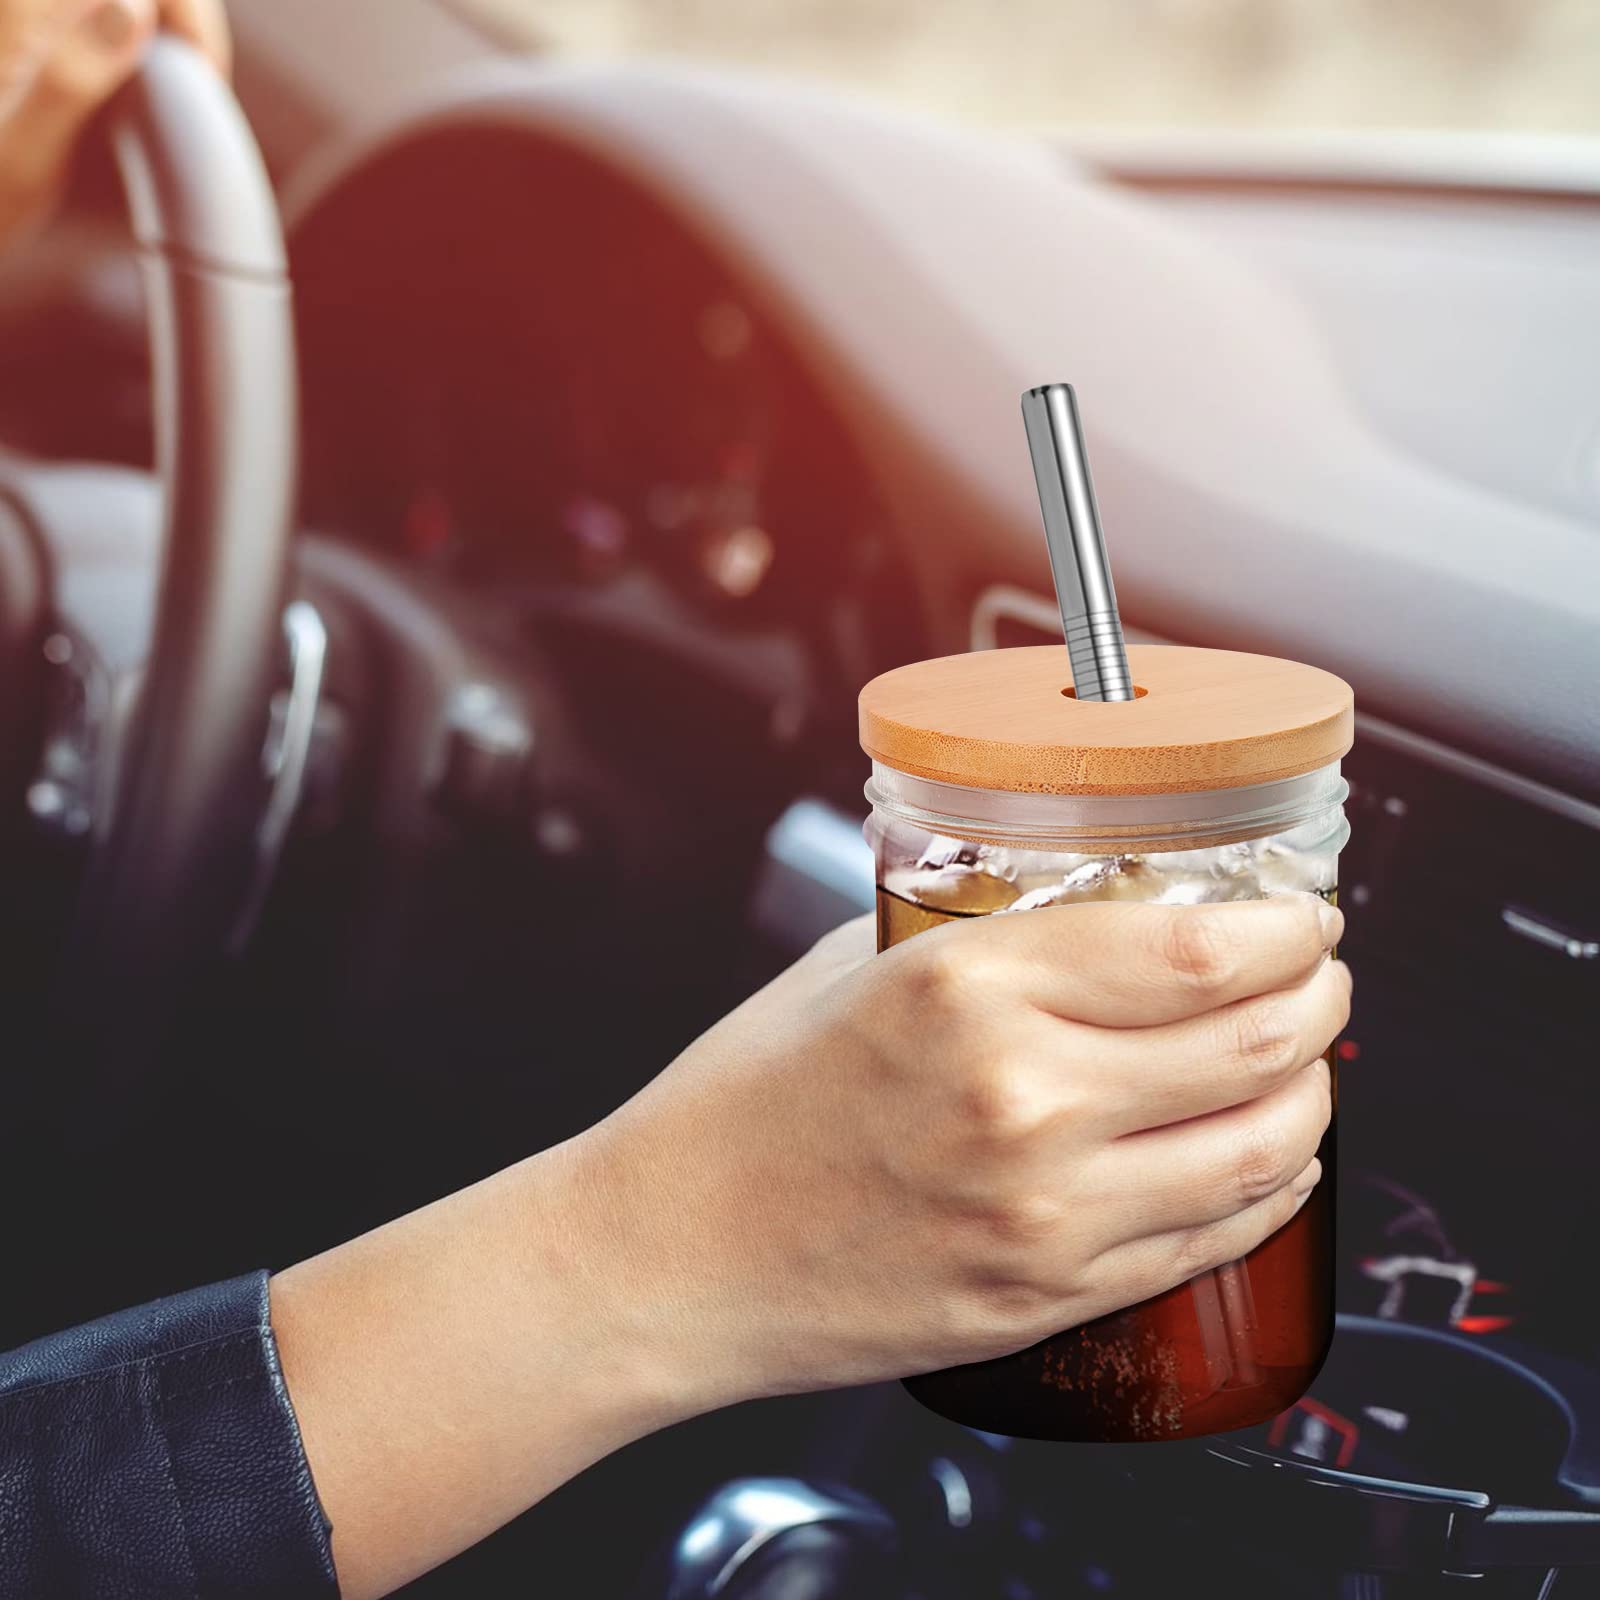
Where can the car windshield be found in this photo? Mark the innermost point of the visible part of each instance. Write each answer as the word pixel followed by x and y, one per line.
pixel 1481 65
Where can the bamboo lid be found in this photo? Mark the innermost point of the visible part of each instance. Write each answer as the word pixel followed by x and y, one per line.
pixel 1203 719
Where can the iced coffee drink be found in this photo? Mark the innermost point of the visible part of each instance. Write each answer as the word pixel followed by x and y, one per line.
pixel 995 794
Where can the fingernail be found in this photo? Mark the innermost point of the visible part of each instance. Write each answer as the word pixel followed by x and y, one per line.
pixel 1331 920
pixel 112 25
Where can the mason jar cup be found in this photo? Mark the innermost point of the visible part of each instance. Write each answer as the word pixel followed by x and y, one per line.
pixel 1067 814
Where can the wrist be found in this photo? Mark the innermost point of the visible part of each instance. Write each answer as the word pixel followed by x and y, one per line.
pixel 649 1274
pixel 594 1245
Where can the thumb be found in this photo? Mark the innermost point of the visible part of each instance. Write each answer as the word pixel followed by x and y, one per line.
pixel 65 64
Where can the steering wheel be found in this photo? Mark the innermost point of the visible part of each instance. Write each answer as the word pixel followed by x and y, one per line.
pixel 180 788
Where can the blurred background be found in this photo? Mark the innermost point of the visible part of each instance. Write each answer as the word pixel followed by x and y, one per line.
pixel 1473 65
pixel 658 368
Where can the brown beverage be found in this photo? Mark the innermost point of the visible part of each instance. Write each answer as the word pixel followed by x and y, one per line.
pixel 1222 1352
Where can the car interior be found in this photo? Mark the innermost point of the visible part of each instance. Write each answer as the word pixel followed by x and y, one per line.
pixel 431 703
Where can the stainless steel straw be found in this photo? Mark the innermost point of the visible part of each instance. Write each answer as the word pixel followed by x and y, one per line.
pixel 1077 548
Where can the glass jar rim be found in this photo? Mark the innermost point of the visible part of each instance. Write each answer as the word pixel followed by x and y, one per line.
pixel 1174 821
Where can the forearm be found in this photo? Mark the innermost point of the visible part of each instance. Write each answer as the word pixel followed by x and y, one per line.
pixel 450 1369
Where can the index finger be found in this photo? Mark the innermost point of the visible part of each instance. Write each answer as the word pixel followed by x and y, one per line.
pixel 1135 965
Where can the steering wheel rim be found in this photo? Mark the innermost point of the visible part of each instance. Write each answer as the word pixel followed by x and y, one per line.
pixel 170 861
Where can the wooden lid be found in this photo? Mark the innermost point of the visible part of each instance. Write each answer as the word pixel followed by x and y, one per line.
pixel 1205 719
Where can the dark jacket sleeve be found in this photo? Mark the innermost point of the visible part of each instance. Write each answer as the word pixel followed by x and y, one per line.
pixel 155 1453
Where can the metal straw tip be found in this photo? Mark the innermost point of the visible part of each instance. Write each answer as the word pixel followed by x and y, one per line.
pixel 1089 617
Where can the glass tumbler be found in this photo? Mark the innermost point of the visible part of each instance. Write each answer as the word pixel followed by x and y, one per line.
pixel 994 792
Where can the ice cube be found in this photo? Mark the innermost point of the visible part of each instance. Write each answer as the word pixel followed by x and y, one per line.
pixel 1247 870
pixel 1100 878
pixel 942 851
pixel 999 860
pixel 1186 888
pixel 1281 870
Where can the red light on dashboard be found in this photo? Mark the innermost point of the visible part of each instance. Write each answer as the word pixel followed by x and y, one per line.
pixel 1348 1050
pixel 1483 1324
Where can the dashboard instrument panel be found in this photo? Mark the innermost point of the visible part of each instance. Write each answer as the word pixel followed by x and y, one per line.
pixel 542 377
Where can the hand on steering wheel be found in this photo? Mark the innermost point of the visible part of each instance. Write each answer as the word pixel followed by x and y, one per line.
pixel 60 60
